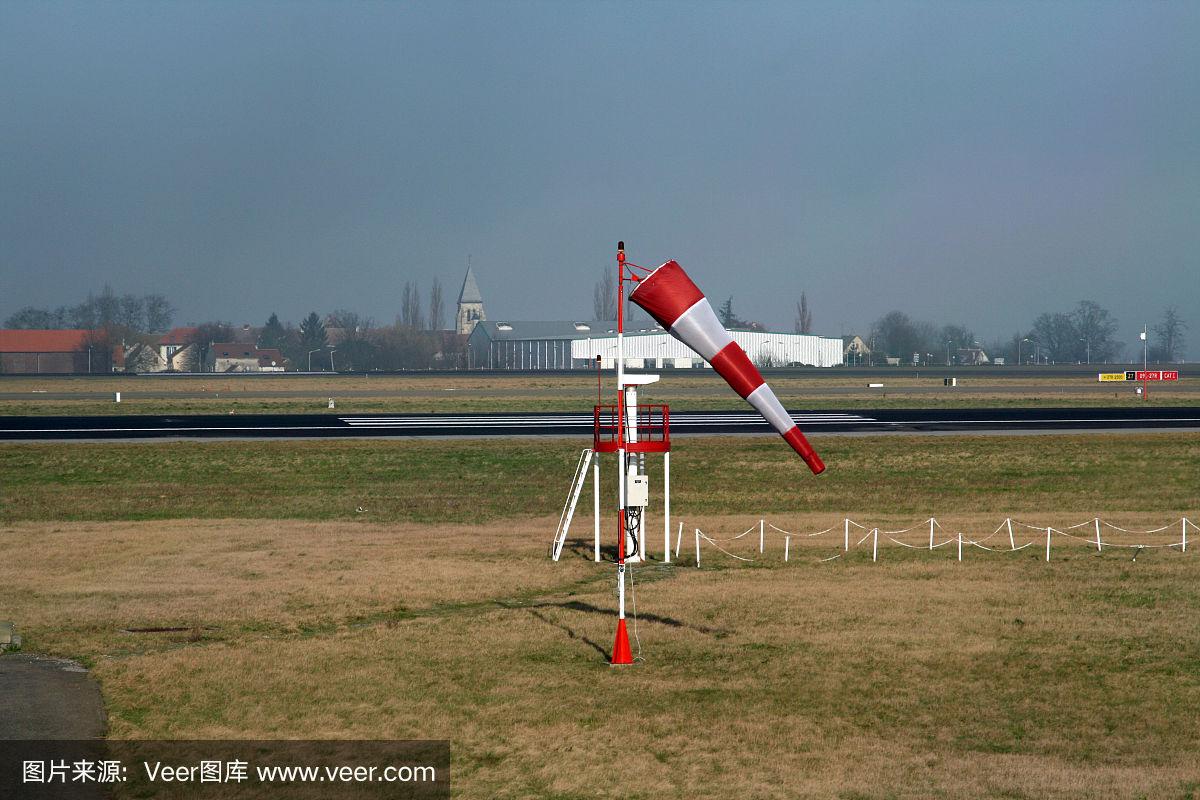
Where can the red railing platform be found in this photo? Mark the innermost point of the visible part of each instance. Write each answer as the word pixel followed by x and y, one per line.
pixel 652 426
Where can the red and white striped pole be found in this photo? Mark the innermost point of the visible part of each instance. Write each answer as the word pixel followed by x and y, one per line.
pixel 671 297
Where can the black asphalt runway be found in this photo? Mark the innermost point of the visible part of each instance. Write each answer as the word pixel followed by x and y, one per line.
pixel 298 426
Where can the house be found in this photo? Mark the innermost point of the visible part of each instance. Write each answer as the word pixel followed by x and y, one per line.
pixel 972 356
pixel 141 357
pixel 242 357
pixel 57 351
pixel 855 350
pixel 177 349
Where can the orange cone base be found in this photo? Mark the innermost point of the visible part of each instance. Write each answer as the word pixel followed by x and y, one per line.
pixel 621 652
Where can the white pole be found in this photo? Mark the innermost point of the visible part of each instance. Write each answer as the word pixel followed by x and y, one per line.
pixel 875 545
pixel 1183 549
pixel 667 506
pixel 1011 544
pixel 596 507
pixel 846 546
pixel 931 521
pixel 697 548
pixel 760 536
pixel 1047 544
pixel 1097 534
pixel 960 545
pixel 679 539
pixel 787 545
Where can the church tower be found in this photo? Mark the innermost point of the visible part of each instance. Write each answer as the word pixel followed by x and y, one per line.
pixel 470 304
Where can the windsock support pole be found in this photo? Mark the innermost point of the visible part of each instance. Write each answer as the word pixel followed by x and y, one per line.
pixel 621 653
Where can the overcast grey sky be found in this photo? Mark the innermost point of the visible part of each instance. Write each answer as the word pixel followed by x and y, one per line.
pixel 964 162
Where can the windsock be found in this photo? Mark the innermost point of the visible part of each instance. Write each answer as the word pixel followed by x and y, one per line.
pixel 668 295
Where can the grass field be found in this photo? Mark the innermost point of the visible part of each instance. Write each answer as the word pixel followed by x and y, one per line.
pixel 435 613
pixel 481 393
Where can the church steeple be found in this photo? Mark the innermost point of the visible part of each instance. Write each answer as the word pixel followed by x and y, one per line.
pixel 470 303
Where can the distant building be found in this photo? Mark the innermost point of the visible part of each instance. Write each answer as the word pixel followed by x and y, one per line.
pixel 242 357
pixel 177 350
pixel 48 351
pixel 855 350
pixel 656 349
pixel 575 345
pixel 972 356
pixel 529 345
pixel 470 305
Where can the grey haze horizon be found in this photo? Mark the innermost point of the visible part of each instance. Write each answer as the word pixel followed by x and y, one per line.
pixel 961 162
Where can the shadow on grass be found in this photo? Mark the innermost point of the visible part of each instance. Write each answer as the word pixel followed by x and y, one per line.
pixel 606 655
pixel 671 622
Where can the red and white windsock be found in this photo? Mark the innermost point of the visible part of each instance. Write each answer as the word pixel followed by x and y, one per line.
pixel 669 295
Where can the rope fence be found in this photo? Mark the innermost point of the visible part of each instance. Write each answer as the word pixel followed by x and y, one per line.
pixel 1042 534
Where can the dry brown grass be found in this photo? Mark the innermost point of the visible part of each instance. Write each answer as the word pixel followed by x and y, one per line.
pixel 1001 676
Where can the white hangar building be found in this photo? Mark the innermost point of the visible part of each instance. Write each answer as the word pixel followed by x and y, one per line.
pixel 575 345
pixel 658 349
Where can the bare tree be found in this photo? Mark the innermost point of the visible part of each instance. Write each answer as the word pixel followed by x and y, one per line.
pixel 435 306
pixel 352 324
pixel 159 312
pixel 410 306
pixel 131 312
pixel 108 308
pixel 604 297
pixel 803 315
pixel 1169 336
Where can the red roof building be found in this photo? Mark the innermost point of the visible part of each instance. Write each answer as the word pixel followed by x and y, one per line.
pixel 56 351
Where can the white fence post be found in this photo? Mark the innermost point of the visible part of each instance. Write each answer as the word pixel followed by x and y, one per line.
pixel 875 545
pixel 679 538
pixel 960 545
pixel 760 535
pixel 1011 544
pixel 931 522
pixel 1097 534
pixel 846 545
pixel 697 547
pixel 787 545
pixel 1183 549
pixel 1047 544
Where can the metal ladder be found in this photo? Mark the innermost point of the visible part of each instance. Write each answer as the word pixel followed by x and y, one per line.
pixel 564 519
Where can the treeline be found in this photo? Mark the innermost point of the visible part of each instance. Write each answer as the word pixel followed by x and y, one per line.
pixel 1085 334
pixel 147 313
pixel 345 340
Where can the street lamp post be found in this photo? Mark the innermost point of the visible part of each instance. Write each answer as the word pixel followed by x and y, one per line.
pixel 1089 349
pixel 310 352
pixel 948 341
pixel 331 352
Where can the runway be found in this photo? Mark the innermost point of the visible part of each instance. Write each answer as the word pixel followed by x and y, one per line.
pixel 299 426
